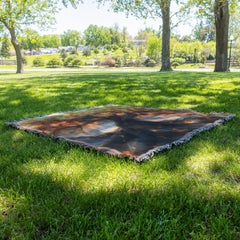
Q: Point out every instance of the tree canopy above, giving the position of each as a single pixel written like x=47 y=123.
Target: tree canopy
x=97 y=36
x=220 y=10
x=17 y=15
x=5 y=49
x=71 y=38
x=145 y=9
x=22 y=13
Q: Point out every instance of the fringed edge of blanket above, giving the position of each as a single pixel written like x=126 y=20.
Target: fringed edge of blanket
x=184 y=139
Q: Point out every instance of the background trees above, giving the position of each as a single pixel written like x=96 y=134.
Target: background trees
x=154 y=47
x=210 y=12
x=219 y=10
x=50 y=41
x=5 y=49
x=72 y=38
x=205 y=32
x=31 y=40
x=145 y=8
x=15 y=15
x=234 y=23
x=145 y=34
x=97 y=36
x=115 y=35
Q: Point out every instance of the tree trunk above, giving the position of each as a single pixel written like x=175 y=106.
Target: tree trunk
x=17 y=48
x=221 y=12
x=165 y=8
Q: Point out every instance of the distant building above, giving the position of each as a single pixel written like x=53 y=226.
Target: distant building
x=33 y=52
x=137 y=43
x=102 y=47
x=82 y=48
x=67 y=48
x=48 y=50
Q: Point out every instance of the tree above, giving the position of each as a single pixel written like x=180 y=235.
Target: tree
x=97 y=36
x=186 y=38
x=221 y=10
x=63 y=54
x=124 y=35
x=205 y=32
x=234 y=25
x=31 y=41
x=144 y=9
x=165 y=9
x=154 y=48
x=15 y=15
x=144 y=35
x=72 y=38
x=115 y=35
x=5 y=49
x=51 y=41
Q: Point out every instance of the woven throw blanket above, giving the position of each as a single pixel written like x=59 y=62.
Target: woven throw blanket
x=125 y=131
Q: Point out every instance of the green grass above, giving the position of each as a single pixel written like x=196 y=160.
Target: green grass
x=53 y=190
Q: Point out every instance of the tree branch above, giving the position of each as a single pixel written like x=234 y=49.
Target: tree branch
x=5 y=23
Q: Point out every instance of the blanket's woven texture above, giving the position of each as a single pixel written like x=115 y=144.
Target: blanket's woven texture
x=126 y=131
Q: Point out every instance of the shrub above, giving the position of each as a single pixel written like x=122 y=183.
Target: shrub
x=54 y=62
x=109 y=48
x=125 y=50
x=96 y=50
x=126 y=59
x=130 y=63
x=150 y=62
x=76 y=62
x=122 y=45
x=180 y=54
x=73 y=61
x=138 y=62
x=195 y=56
x=63 y=54
x=118 y=52
x=97 y=62
x=236 y=55
x=175 y=64
x=178 y=60
x=115 y=46
x=119 y=60
x=68 y=60
x=154 y=48
x=74 y=51
x=24 y=60
x=109 y=61
x=211 y=57
x=38 y=62
x=203 y=59
x=131 y=46
x=86 y=52
x=105 y=52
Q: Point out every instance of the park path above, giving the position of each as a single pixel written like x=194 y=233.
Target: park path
x=110 y=70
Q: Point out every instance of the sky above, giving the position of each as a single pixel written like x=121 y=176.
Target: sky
x=88 y=13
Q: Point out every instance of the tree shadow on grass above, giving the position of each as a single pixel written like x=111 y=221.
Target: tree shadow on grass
x=69 y=90
x=38 y=95
x=42 y=206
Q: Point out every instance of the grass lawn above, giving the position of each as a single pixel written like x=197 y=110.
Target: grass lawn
x=53 y=190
